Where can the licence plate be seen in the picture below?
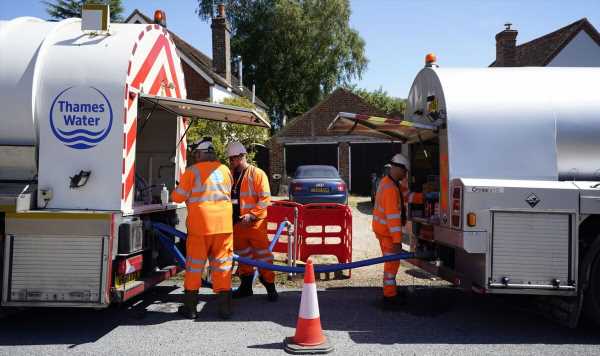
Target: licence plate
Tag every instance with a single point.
(319, 190)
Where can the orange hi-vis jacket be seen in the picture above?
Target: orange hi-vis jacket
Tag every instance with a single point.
(387, 215)
(206, 189)
(255, 194)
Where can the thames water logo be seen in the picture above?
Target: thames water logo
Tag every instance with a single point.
(81, 117)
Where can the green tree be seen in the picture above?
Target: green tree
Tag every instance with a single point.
(296, 51)
(64, 9)
(381, 100)
(223, 133)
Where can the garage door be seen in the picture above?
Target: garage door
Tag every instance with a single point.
(297, 155)
(367, 158)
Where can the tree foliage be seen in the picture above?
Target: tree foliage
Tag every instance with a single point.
(64, 9)
(381, 100)
(223, 133)
(296, 51)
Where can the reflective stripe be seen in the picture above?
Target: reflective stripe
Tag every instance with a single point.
(388, 253)
(193, 270)
(388, 275)
(212, 187)
(181, 191)
(195, 261)
(380, 208)
(244, 251)
(379, 220)
(211, 197)
(395, 229)
(390, 282)
(253, 194)
(393, 216)
(248, 206)
(220, 260)
(197, 176)
(221, 269)
(263, 204)
(262, 252)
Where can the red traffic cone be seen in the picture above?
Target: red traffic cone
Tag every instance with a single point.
(309, 338)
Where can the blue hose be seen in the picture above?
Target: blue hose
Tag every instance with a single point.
(287, 269)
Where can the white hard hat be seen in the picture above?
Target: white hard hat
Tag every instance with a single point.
(399, 160)
(235, 148)
(204, 145)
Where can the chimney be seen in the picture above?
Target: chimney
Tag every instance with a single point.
(506, 47)
(221, 32)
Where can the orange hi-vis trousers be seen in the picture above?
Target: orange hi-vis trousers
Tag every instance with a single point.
(390, 268)
(251, 241)
(217, 251)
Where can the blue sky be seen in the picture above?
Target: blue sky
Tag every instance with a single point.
(398, 33)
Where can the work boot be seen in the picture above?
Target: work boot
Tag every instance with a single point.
(190, 302)
(245, 289)
(272, 295)
(224, 299)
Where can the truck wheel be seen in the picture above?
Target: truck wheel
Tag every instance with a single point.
(592, 294)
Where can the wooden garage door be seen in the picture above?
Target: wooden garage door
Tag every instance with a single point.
(297, 155)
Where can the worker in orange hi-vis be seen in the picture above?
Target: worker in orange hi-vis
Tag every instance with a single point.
(206, 187)
(250, 196)
(389, 218)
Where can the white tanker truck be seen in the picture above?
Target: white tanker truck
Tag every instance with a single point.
(92, 129)
(505, 180)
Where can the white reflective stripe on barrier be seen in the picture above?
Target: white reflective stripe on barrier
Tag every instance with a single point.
(309, 306)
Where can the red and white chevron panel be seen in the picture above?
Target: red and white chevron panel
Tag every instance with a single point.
(154, 68)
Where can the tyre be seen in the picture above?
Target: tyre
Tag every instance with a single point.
(592, 294)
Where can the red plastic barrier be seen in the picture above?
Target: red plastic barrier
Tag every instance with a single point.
(277, 212)
(326, 229)
(322, 229)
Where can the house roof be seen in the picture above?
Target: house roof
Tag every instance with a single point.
(541, 51)
(204, 62)
(322, 114)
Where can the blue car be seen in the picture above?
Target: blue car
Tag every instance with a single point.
(317, 184)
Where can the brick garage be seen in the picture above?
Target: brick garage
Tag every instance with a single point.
(308, 134)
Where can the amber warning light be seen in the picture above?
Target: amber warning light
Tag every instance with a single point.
(160, 18)
(430, 60)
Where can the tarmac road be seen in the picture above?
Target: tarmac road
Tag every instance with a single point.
(437, 320)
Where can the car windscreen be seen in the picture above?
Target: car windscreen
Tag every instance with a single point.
(304, 172)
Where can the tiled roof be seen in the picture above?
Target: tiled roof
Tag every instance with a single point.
(315, 121)
(204, 62)
(541, 51)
